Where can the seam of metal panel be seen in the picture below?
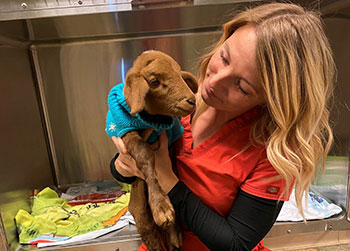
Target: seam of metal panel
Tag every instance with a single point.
(45, 113)
(30, 30)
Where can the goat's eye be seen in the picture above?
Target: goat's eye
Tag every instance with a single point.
(155, 82)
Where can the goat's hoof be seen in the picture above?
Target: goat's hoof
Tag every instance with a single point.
(175, 237)
(164, 214)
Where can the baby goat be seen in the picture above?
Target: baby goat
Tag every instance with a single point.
(155, 94)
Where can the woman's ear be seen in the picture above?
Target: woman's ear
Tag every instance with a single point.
(191, 80)
(135, 90)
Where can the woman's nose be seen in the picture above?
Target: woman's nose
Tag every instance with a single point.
(212, 68)
(216, 70)
(217, 78)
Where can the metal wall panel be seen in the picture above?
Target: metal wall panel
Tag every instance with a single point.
(335, 179)
(15, 30)
(338, 32)
(24, 161)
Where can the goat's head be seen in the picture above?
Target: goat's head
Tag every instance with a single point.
(157, 85)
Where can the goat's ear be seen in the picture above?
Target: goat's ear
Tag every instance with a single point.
(191, 80)
(135, 90)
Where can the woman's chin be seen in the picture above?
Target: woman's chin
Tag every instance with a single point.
(204, 97)
(207, 100)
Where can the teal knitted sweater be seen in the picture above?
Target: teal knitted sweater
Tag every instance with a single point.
(119, 121)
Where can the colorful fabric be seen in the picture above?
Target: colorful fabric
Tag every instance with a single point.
(112, 221)
(119, 121)
(53, 215)
(95, 198)
(125, 220)
(47, 238)
(218, 168)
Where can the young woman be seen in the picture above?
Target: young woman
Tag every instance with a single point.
(260, 127)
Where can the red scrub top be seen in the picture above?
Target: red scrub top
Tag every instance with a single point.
(211, 173)
(215, 177)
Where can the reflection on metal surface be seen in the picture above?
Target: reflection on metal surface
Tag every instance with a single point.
(10, 203)
(332, 183)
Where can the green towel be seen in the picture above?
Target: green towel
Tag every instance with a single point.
(52, 215)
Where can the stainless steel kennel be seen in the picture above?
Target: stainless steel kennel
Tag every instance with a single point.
(59, 59)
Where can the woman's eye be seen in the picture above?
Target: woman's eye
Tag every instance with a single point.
(241, 89)
(155, 82)
(223, 57)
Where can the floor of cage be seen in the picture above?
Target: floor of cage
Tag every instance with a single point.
(340, 247)
(335, 240)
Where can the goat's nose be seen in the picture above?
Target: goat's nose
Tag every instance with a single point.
(191, 101)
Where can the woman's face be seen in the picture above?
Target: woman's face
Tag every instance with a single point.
(231, 83)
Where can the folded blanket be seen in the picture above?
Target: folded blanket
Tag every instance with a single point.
(53, 215)
(125, 220)
(119, 121)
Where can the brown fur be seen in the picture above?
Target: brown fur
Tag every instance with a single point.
(157, 85)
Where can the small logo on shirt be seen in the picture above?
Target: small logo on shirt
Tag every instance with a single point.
(273, 190)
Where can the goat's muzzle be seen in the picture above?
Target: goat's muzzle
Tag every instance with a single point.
(186, 107)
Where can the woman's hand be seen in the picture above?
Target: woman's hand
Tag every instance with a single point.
(166, 177)
(125, 164)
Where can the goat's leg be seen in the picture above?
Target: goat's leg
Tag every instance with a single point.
(161, 207)
(140, 210)
(162, 210)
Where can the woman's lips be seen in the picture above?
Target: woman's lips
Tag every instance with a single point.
(209, 90)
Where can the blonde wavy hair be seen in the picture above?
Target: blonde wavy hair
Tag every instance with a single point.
(297, 71)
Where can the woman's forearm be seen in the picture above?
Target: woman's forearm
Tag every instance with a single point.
(248, 222)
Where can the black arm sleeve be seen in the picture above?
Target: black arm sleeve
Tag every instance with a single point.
(250, 219)
(117, 175)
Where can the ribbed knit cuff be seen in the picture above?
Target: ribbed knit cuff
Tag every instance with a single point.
(178, 192)
(117, 175)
